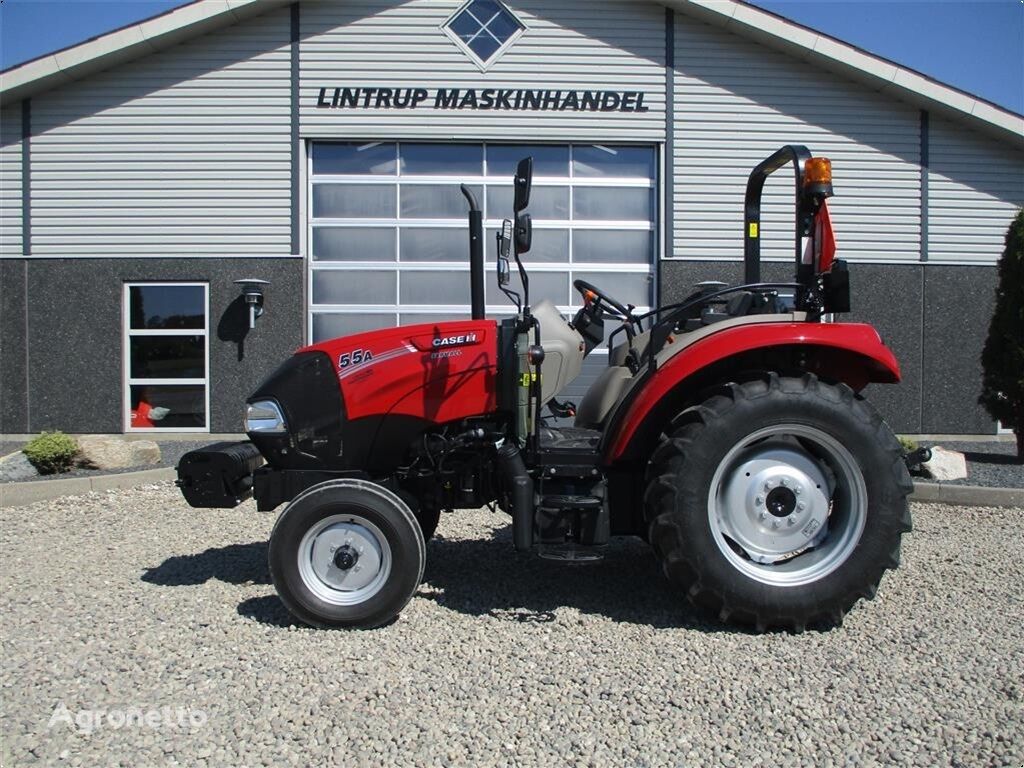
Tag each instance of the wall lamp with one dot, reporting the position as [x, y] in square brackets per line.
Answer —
[252, 291]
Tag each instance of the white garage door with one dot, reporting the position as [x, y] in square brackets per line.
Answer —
[389, 239]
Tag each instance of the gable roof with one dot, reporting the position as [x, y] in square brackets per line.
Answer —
[202, 16]
[125, 44]
[873, 71]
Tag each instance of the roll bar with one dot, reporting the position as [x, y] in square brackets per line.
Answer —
[811, 294]
[797, 155]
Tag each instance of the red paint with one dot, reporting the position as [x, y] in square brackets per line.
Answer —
[140, 416]
[435, 371]
[880, 364]
[824, 239]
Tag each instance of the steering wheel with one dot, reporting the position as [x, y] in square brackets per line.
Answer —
[592, 293]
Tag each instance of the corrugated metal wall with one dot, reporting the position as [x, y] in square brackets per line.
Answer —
[975, 187]
[10, 180]
[182, 152]
[603, 44]
[737, 101]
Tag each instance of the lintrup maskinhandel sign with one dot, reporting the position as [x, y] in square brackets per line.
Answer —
[511, 99]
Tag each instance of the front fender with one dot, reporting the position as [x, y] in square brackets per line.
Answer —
[849, 352]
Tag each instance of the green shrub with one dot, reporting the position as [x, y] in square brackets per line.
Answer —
[1002, 384]
[51, 452]
[908, 445]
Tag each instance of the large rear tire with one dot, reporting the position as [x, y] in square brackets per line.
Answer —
[778, 503]
[346, 553]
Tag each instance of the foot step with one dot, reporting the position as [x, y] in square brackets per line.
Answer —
[567, 501]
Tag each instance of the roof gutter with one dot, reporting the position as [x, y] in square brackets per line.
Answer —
[125, 44]
[841, 58]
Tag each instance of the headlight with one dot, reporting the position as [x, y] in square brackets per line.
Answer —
[264, 416]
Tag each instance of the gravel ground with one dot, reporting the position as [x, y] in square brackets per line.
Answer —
[993, 464]
[170, 452]
[130, 599]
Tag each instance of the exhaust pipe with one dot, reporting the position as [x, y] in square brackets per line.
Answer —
[476, 255]
[520, 484]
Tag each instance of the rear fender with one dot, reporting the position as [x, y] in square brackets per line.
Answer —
[852, 353]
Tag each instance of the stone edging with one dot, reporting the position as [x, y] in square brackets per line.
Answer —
[20, 494]
[969, 495]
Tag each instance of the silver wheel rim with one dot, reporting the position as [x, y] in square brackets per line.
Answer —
[363, 544]
[787, 505]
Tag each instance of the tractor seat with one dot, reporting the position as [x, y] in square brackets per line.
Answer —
[639, 344]
[739, 305]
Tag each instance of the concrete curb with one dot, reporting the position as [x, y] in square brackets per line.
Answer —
[21, 494]
[969, 495]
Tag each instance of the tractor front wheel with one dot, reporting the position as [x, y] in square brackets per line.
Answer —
[346, 553]
[778, 503]
[428, 520]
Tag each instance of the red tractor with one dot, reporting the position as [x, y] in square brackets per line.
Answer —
[727, 431]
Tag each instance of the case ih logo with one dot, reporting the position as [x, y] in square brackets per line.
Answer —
[455, 341]
[505, 99]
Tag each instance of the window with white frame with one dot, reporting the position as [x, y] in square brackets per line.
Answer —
[166, 353]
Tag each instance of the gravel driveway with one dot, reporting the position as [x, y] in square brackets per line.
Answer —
[137, 632]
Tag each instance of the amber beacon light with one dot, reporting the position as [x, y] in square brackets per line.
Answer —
[818, 178]
[818, 170]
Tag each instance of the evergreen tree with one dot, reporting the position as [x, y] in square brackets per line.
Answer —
[1002, 359]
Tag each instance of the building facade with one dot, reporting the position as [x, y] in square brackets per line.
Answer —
[320, 146]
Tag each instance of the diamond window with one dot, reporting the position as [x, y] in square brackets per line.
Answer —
[484, 29]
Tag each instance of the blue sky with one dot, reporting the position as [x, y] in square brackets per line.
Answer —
[977, 46]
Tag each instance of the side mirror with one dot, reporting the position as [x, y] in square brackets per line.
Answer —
[504, 239]
[524, 233]
[523, 182]
[504, 243]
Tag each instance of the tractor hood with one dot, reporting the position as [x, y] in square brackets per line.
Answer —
[359, 401]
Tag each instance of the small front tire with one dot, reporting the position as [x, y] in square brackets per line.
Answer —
[428, 520]
[346, 553]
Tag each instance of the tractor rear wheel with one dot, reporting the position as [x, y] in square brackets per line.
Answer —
[346, 553]
[778, 503]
